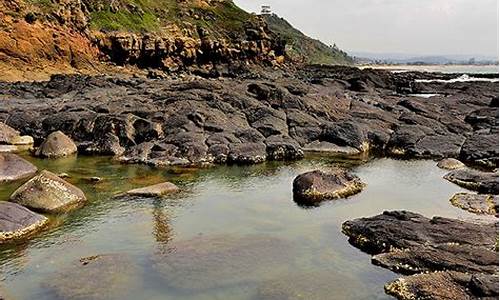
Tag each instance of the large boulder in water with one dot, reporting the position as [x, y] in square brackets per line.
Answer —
[450, 164]
[13, 167]
[56, 145]
[311, 188]
[17, 221]
[48, 193]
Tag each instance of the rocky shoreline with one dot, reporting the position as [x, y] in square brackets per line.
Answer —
[273, 116]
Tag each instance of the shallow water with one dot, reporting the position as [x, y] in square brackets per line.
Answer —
[233, 233]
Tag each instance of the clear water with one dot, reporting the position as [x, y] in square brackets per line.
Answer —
[233, 233]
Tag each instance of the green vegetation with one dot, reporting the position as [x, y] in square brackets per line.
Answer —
[123, 20]
[301, 46]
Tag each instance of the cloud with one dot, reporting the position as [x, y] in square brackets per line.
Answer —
[467, 27]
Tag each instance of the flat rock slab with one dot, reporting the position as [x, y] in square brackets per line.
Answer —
[444, 285]
[7, 134]
[482, 182]
[56, 145]
[476, 203]
[17, 221]
[156, 190]
[48, 193]
[311, 188]
[109, 276]
[409, 243]
[14, 167]
[450, 164]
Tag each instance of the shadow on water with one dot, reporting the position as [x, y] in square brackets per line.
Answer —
[233, 232]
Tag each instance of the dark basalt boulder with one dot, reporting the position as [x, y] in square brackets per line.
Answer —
[404, 230]
[481, 149]
[478, 204]
[482, 182]
[48, 193]
[309, 189]
[248, 153]
[17, 221]
[14, 167]
[444, 285]
[56, 145]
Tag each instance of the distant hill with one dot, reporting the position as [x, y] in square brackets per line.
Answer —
[398, 58]
[303, 47]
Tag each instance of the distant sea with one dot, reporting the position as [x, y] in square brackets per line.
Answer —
[461, 69]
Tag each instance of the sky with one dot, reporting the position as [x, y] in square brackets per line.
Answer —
[415, 27]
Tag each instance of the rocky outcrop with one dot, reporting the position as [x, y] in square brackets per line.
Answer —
[196, 121]
[48, 193]
[482, 182]
[17, 221]
[314, 187]
[10, 136]
[410, 243]
[156, 190]
[478, 204]
[56, 145]
[14, 167]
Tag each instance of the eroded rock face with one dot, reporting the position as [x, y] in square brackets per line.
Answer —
[482, 182]
[314, 187]
[450, 164]
[56, 145]
[17, 221]
[14, 167]
[156, 190]
[478, 204]
[48, 193]
[410, 243]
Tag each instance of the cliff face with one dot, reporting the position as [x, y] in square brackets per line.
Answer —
[42, 37]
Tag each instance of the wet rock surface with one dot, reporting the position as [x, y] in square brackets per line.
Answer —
[48, 193]
[14, 167]
[444, 285]
[410, 243]
[17, 221]
[156, 190]
[56, 145]
[259, 116]
[476, 203]
[482, 182]
[311, 188]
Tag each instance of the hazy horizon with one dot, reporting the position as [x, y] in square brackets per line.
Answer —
[419, 28]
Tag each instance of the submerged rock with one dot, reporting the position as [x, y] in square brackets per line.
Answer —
[482, 182]
[410, 243]
[110, 276]
[48, 193]
[444, 285]
[156, 190]
[17, 221]
[450, 164]
[209, 262]
[56, 145]
[313, 187]
[478, 204]
[14, 167]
